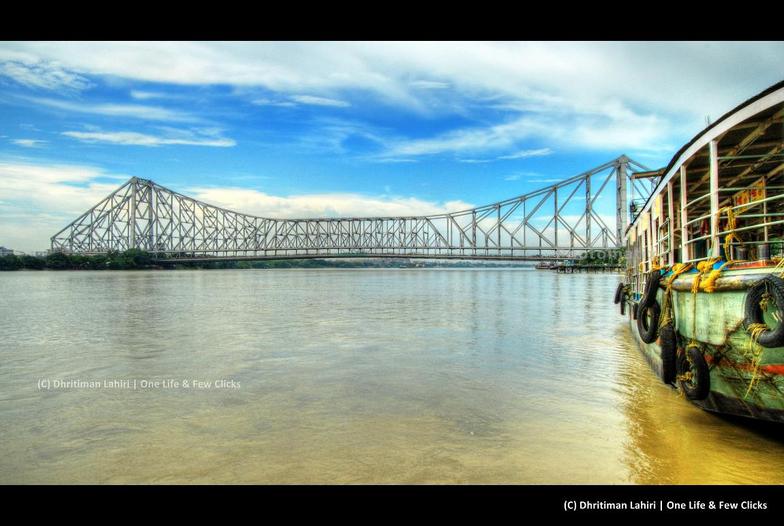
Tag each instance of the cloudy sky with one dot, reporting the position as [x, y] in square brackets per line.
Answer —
[325, 129]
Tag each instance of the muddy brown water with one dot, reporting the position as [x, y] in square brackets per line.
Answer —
[346, 376]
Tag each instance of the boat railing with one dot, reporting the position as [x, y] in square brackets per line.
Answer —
[725, 201]
[743, 214]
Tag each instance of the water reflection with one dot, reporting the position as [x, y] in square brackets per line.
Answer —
[349, 376]
[672, 442]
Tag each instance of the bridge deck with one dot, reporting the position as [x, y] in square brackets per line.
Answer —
[478, 257]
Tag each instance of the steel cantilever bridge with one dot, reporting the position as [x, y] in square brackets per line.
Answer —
[557, 222]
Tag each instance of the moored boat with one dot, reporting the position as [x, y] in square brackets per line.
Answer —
[704, 284]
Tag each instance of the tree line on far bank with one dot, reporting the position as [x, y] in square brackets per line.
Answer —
[128, 260]
[135, 259]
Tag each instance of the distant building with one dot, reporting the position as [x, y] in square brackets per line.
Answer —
[6, 252]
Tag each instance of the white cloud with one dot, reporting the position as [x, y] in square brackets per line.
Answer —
[42, 74]
[37, 199]
[319, 205]
[174, 137]
[329, 135]
[428, 84]
[618, 96]
[528, 174]
[269, 102]
[296, 100]
[392, 160]
[146, 95]
[40, 199]
[320, 101]
[135, 111]
[600, 132]
[16, 172]
[463, 140]
[522, 154]
[29, 143]
[578, 74]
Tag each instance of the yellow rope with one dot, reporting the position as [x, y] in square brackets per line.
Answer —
[709, 284]
[705, 266]
[695, 285]
[755, 350]
[666, 315]
[702, 268]
[687, 376]
[677, 270]
[756, 330]
[731, 227]
[779, 266]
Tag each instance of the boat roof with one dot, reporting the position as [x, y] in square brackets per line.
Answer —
[761, 104]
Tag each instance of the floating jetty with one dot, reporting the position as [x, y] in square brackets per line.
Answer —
[571, 268]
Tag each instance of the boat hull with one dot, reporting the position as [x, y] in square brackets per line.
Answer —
[714, 322]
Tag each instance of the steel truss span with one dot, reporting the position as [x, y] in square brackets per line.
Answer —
[556, 222]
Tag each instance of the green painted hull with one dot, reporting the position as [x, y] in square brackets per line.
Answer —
[715, 322]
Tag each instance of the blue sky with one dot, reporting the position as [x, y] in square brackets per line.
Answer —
[326, 129]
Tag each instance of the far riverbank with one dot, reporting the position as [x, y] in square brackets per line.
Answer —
[135, 259]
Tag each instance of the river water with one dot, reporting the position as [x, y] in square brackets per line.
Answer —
[346, 376]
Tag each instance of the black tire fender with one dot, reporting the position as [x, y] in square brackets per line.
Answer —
[668, 344]
[619, 293]
[651, 287]
[623, 307]
[774, 286]
[646, 328]
[697, 386]
[635, 308]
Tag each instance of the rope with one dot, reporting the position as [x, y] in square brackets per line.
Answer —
[755, 349]
[677, 270]
[709, 284]
[729, 237]
[756, 330]
[688, 375]
[779, 266]
[666, 315]
[702, 268]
